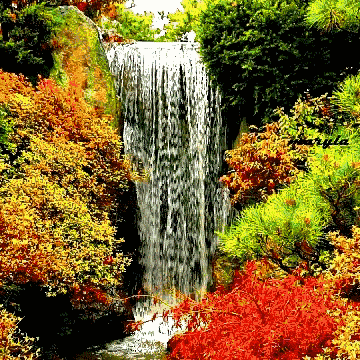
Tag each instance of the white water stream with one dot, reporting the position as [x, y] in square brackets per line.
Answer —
[173, 128]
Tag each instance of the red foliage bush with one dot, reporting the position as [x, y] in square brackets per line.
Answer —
[271, 319]
[82, 6]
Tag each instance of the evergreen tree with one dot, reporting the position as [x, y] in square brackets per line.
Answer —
[27, 48]
[263, 54]
[347, 98]
[329, 15]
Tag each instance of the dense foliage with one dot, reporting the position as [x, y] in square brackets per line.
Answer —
[12, 345]
[292, 229]
[271, 319]
[310, 119]
[347, 98]
[291, 224]
[329, 15]
[286, 229]
[26, 42]
[262, 54]
[262, 161]
[263, 317]
[260, 164]
[342, 278]
[61, 176]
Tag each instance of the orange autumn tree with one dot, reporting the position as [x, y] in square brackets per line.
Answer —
[261, 163]
[62, 172]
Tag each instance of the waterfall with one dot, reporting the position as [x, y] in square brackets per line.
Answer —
[173, 127]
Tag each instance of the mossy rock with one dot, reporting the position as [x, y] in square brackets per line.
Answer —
[80, 56]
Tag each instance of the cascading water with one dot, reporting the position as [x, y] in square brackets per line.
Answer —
[172, 123]
[173, 127]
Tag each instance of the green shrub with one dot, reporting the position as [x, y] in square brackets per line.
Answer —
[291, 226]
[310, 118]
[279, 228]
[5, 127]
[28, 49]
[262, 54]
[336, 171]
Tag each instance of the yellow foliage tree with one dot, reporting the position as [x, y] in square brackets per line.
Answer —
[61, 179]
[11, 347]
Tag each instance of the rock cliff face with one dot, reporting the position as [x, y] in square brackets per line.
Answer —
[80, 57]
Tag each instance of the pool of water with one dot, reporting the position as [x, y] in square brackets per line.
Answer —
[146, 344]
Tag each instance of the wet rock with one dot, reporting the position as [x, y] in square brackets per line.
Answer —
[62, 330]
[81, 57]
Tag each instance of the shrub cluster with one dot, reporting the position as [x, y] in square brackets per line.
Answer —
[60, 182]
[310, 118]
[291, 224]
[14, 346]
[263, 54]
[286, 229]
[271, 319]
[26, 42]
[260, 317]
[293, 229]
[265, 318]
[260, 164]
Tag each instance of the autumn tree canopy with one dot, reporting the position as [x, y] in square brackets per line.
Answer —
[62, 171]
